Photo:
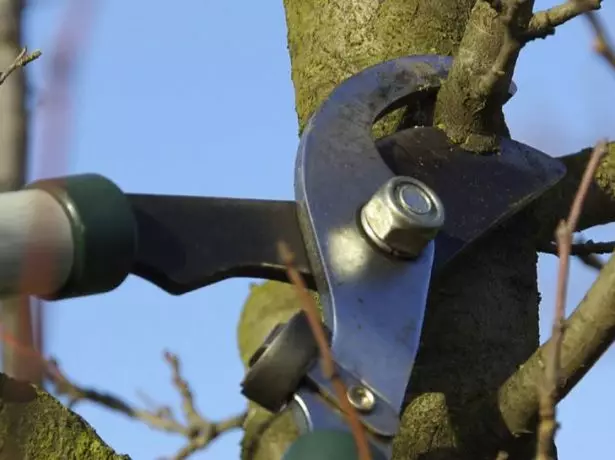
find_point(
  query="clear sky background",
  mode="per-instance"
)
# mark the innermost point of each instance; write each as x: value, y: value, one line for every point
x: 195, y: 97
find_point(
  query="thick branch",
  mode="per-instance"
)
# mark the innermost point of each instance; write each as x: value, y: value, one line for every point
x: 589, y: 332
x: 469, y: 105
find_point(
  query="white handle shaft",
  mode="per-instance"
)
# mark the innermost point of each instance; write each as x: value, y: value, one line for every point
x: 36, y: 243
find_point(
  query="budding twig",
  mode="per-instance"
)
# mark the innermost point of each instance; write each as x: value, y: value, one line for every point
x: 551, y: 382
x: 326, y: 358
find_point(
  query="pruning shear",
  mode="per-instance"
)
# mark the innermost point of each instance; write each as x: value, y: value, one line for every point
x: 370, y: 225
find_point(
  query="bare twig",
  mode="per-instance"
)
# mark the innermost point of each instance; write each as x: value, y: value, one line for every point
x: 198, y: 430
x: 602, y: 44
x: 326, y: 358
x: 543, y: 23
x: 564, y: 232
x: 22, y: 59
x: 582, y: 248
x: 585, y: 251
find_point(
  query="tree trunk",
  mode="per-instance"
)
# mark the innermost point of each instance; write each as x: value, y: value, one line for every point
x: 482, y: 319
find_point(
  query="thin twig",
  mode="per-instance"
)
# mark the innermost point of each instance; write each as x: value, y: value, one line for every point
x: 582, y: 248
x: 548, y: 393
x: 198, y: 430
x: 585, y: 251
x: 326, y: 358
x: 543, y: 23
x: 22, y: 59
x: 602, y: 44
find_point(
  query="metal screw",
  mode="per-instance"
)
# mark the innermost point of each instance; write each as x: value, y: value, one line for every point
x: 402, y: 216
x: 361, y: 398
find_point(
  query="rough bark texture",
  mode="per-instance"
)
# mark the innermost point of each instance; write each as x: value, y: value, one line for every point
x: 482, y: 319
x: 33, y: 425
x: 467, y: 117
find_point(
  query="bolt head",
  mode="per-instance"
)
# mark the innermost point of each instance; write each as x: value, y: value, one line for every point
x: 403, y: 216
x: 361, y: 398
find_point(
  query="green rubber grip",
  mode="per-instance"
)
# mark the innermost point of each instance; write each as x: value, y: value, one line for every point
x: 327, y: 445
x: 104, y: 232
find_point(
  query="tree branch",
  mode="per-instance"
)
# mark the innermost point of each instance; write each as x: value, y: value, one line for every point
x: 582, y: 248
x: 23, y: 59
x: 543, y: 23
x: 511, y: 45
x: 602, y: 45
x: 588, y: 333
x: 469, y: 103
x: 198, y: 430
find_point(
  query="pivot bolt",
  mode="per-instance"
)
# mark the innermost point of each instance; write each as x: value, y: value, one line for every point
x: 403, y: 216
x: 361, y: 398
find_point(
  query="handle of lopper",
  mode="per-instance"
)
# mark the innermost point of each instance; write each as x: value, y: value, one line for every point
x: 327, y: 445
x: 66, y: 237
x: 36, y: 244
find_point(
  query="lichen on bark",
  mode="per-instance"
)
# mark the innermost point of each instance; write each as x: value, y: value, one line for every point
x: 34, y: 425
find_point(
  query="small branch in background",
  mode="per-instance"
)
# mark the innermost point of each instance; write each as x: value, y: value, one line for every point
x: 582, y: 248
x: 585, y: 251
x: 548, y: 394
x: 198, y: 430
x: 24, y: 58
x: 543, y: 23
x: 326, y: 358
x: 602, y: 45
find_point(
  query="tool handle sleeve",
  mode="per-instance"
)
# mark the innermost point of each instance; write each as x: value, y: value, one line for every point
x: 65, y: 237
x: 326, y: 445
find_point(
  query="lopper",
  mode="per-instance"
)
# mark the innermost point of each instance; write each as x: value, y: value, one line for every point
x: 372, y: 222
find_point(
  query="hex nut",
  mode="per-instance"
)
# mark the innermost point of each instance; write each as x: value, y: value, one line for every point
x: 403, y: 216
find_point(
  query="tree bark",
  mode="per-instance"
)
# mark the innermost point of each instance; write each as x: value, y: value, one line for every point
x: 482, y: 318
x: 34, y: 425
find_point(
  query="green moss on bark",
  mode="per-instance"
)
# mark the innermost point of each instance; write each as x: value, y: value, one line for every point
x: 605, y: 176
x: 329, y: 41
x: 34, y: 425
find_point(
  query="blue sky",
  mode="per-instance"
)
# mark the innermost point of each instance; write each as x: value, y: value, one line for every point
x: 197, y: 99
